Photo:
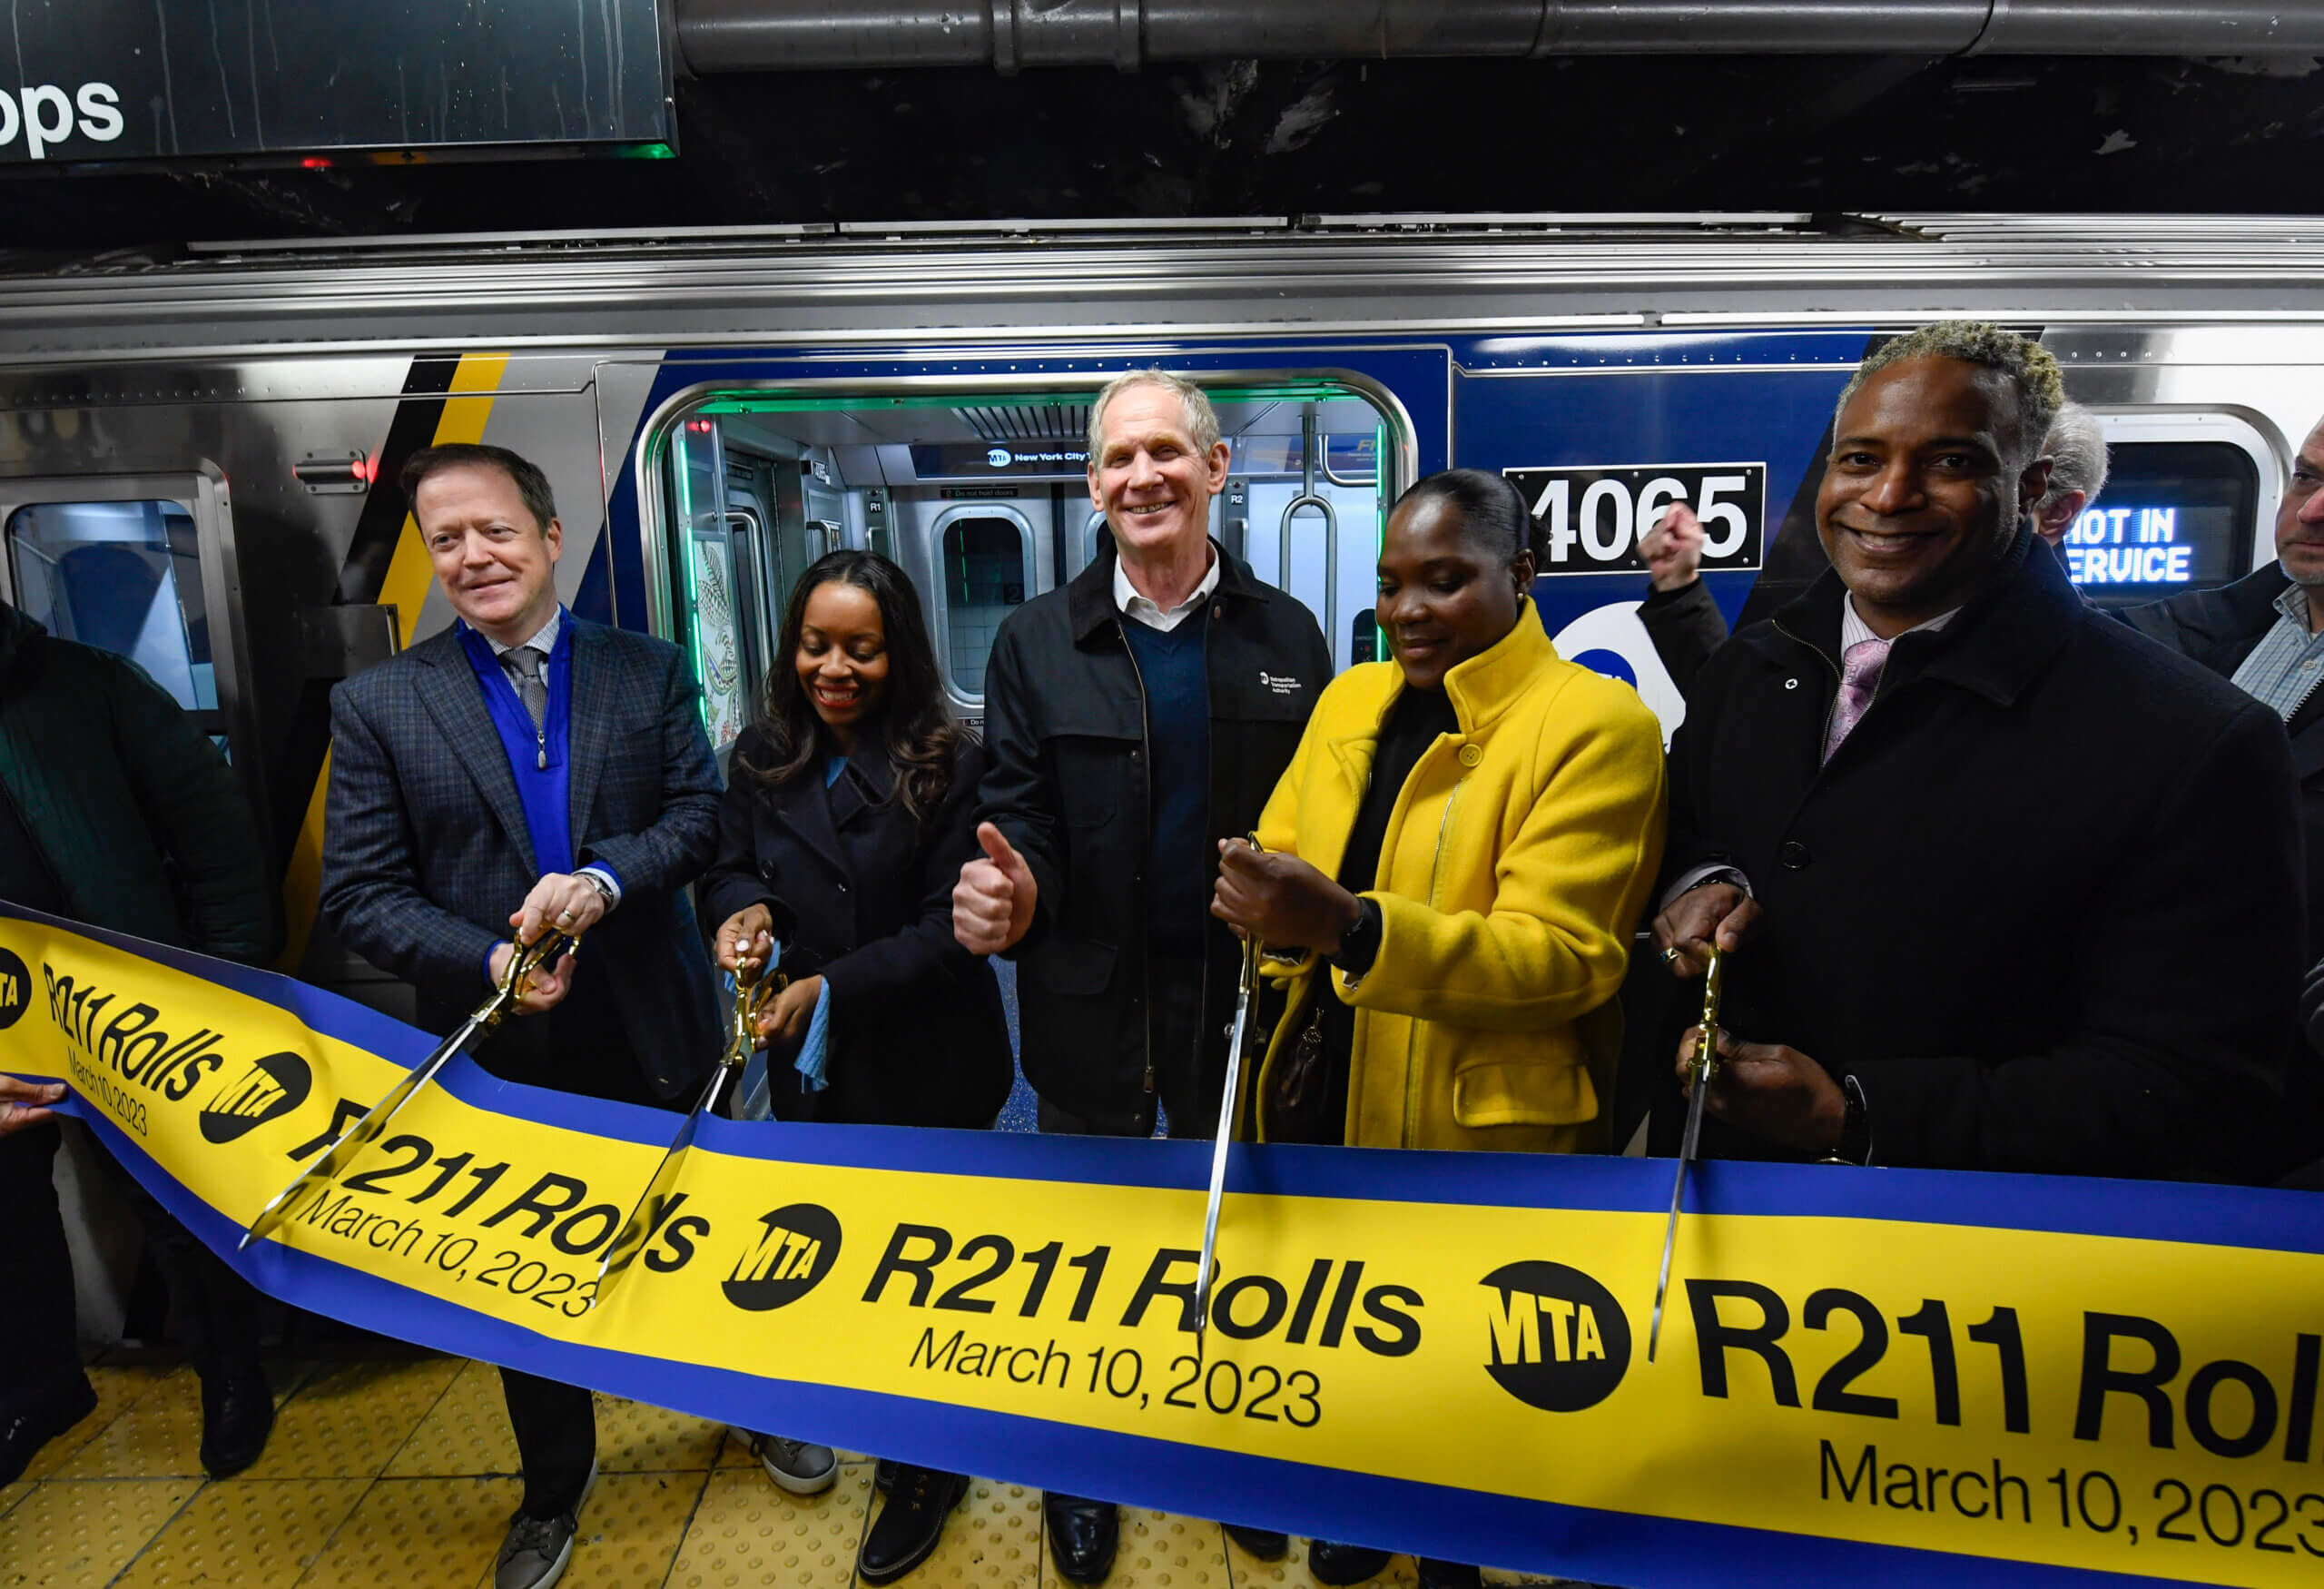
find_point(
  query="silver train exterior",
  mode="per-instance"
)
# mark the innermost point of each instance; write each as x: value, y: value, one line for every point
x: 715, y: 409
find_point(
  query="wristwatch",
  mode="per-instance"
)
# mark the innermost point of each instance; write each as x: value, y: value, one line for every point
x: 597, y: 880
x: 1854, y: 1146
x: 1360, y: 944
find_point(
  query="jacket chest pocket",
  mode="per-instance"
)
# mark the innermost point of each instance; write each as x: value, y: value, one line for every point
x: 1097, y: 777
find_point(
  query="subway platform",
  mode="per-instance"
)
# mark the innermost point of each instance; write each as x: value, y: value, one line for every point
x: 400, y: 1471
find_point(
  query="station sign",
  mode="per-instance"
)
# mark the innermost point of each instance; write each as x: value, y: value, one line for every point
x: 139, y: 80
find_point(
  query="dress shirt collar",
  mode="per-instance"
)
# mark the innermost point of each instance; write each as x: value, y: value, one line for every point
x: 1138, y: 607
x: 1854, y: 629
x: 543, y: 639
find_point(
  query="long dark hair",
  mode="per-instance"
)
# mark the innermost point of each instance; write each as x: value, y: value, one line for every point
x: 921, y: 738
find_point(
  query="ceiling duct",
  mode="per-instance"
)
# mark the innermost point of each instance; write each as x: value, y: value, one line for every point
x: 1027, y: 422
x: 761, y: 35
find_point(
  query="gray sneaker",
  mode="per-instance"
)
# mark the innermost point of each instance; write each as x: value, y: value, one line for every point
x: 795, y: 1464
x: 534, y: 1554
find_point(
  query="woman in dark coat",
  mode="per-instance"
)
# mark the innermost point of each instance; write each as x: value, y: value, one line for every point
x: 845, y: 823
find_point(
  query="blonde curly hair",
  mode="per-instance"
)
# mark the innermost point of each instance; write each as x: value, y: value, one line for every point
x: 2032, y: 372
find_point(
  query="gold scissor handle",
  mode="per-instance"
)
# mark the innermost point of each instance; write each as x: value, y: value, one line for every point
x: 1705, y: 1059
x: 517, y: 976
x: 752, y: 994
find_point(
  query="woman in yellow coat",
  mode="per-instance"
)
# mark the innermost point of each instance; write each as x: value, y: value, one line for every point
x: 1455, y: 860
x: 1450, y: 871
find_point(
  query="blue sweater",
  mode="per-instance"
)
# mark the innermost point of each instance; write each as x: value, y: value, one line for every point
x: 1174, y: 669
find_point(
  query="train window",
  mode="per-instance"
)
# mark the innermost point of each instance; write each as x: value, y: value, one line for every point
x: 123, y: 576
x: 987, y: 559
x: 2188, y: 497
x: 2173, y: 516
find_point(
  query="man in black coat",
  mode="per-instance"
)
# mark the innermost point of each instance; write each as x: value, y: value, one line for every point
x: 1134, y: 718
x: 521, y: 769
x: 2004, y: 885
x: 2265, y: 633
x: 116, y: 810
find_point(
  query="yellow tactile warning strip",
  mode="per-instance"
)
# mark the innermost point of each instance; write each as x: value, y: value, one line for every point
x: 633, y: 1438
x: 350, y: 1419
x: 251, y: 1533
x: 465, y: 1432
x: 746, y: 1532
x: 159, y: 1433
x: 409, y: 1532
x: 69, y: 1535
x: 116, y: 1389
x: 632, y: 1526
x: 119, y: 1501
x: 1159, y: 1551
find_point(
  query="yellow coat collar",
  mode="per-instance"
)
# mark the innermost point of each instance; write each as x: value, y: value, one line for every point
x: 1480, y: 690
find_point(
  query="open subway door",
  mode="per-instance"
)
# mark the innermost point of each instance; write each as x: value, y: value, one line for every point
x: 978, y: 490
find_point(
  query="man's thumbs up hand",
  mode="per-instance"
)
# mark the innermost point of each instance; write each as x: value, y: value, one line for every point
x: 993, y: 905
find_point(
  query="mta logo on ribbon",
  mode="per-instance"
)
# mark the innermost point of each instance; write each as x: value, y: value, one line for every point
x: 268, y: 1087
x: 1558, y: 1339
x: 791, y: 1251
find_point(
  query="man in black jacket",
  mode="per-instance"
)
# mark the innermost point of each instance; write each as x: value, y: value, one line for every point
x: 2265, y: 633
x: 1134, y: 718
x: 2004, y: 884
x: 116, y: 810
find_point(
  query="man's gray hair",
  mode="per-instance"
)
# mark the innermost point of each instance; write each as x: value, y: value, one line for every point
x: 2040, y: 384
x: 1202, y: 419
x: 2077, y: 450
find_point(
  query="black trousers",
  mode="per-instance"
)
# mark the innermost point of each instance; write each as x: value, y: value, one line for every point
x: 1189, y: 1088
x: 579, y: 1047
x: 40, y: 1351
x: 1174, y: 1031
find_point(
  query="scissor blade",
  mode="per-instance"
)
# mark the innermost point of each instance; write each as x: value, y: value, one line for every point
x: 1219, y: 1162
x: 335, y: 1159
x: 1678, y: 1194
x: 630, y: 1241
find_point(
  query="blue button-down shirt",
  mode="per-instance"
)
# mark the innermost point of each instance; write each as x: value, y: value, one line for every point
x: 2285, y: 667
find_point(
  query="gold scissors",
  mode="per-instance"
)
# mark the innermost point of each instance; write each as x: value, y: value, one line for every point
x: 753, y: 993
x: 1703, y: 1066
x: 515, y: 978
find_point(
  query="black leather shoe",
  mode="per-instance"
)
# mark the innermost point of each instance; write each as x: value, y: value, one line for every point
x: 1265, y: 1543
x: 1436, y: 1575
x: 237, y: 1416
x: 22, y: 1434
x: 919, y: 1500
x: 1342, y: 1564
x: 1082, y: 1537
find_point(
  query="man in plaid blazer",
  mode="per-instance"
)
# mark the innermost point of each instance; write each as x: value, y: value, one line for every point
x: 524, y: 768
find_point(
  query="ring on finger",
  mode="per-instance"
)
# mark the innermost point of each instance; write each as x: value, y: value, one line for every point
x: 1671, y: 954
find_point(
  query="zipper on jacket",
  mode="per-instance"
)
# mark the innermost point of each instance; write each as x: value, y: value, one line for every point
x: 1145, y: 762
x: 1412, y: 1028
x: 540, y: 746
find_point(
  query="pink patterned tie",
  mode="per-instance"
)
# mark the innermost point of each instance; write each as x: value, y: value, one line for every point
x: 1859, y: 677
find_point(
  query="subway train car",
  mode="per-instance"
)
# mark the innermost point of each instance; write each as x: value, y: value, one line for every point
x: 198, y: 456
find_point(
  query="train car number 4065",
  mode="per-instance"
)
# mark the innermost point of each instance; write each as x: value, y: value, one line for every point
x: 1594, y: 516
